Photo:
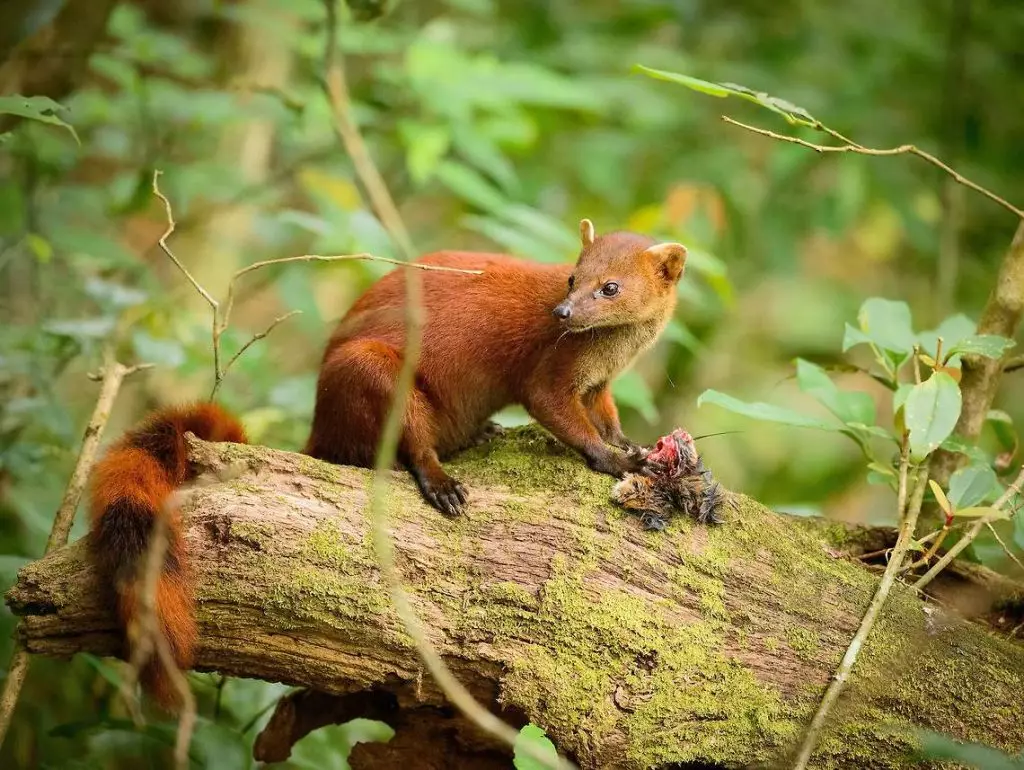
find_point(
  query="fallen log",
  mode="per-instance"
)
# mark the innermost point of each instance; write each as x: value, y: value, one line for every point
x: 632, y: 649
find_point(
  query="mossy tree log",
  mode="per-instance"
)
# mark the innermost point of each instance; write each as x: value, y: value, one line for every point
x: 633, y: 649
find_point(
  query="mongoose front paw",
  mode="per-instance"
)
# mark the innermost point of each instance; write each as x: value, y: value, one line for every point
x: 618, y: 464
x: 444, y: 493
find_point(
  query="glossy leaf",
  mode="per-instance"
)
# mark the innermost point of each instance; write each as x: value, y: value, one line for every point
x: 766, y: 412
x: 931, y: 411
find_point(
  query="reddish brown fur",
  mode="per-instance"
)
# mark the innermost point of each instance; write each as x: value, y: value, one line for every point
x: 491, y: 340
x: 130, y: 487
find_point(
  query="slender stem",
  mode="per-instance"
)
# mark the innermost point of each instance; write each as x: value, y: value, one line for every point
x: 908, y: 517
x: 903, y: 149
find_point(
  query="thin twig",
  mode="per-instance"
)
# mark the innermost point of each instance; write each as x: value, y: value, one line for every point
x: 112, y: 376
x: 230, y: 301
x: 972, y: 533
x: 221, y: 314
x: 256, y: 338
x: 171, y: 224
x: 1006, y: 549
x: 908, y: 512
x: 380, y: 198
x: 903, y: 149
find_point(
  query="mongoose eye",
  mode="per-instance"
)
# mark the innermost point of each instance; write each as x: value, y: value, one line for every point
x: 572, y: 280
x: 610, y: 289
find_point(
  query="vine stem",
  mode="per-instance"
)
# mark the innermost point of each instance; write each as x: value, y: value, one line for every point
x: 909, y: 511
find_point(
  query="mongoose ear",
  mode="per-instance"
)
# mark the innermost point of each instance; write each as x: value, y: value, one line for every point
x: 586, y: 232
x: 670, y: 259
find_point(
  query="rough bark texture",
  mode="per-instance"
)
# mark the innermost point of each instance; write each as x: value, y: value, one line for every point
x: 632, y: 649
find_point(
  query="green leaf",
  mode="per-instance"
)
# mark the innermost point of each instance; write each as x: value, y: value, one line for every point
x: 40, y: 108
x: 791, y: 112
x: 899, y: 398
x: 863, y: 431
x: 959, y: 446
x: 978, y: 512
x: 940, y: 747
x: 1003, y: 427
x: 930, y: 413
x: 987, y: 345
x: 425, y: 148
x: 678, y: 332
x: 767, y: 412
x: 703, y: 86
x: 887, y: 323
x: 969, y: 486
x: 848, y: 406
x: 852, y: 336
x: 952, y: 330
x: 631, y: 389
x: 531, y: 735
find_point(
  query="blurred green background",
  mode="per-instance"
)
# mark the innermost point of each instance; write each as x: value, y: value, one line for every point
x: 497, y: 126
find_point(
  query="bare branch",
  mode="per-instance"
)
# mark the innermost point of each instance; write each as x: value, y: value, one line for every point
x: 903, y: 149
x: 171, y: 224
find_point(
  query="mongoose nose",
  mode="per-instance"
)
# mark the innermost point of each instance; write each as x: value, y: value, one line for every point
x: 562, y: 311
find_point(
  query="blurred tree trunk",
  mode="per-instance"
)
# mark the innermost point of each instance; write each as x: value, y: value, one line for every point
x: 52, y: 60
x: 632, y: 649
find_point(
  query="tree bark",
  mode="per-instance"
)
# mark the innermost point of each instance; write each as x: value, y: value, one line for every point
x: 633, y: 649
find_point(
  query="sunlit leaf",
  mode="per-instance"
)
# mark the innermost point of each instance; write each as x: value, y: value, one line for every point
x: 767, y: 412
x: 940, y: 497
x: 931, y: 411
x: 533, y: 736
x: 887, y: 323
